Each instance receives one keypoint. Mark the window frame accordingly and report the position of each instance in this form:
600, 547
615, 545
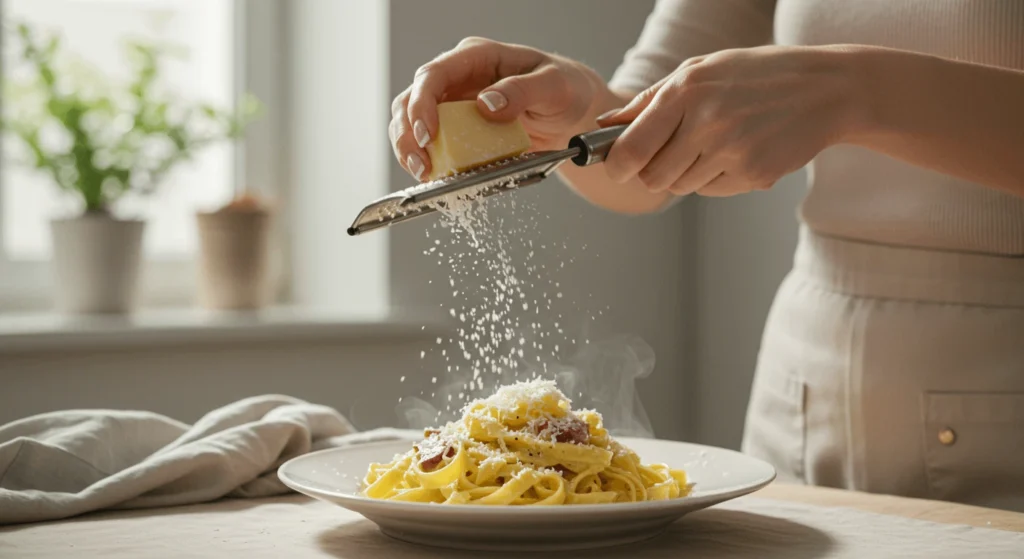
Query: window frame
168, 281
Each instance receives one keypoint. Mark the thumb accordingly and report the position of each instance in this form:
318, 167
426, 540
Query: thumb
632, 110
543, 92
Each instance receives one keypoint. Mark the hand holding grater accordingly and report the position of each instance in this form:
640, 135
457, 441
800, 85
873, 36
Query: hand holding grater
505, 176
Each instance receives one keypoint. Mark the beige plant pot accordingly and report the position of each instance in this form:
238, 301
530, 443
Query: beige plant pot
234, 256
96, 260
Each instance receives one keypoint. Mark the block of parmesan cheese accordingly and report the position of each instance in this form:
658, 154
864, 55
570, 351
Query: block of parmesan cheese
466, 140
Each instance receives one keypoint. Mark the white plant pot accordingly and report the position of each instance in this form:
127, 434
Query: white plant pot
96, 259
234, 259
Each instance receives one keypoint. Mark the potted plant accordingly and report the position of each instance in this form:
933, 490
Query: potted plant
98, 140
234, 255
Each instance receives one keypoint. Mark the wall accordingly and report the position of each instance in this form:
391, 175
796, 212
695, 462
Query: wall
185, 381
695, 283
338, 153
639, 267
744, 249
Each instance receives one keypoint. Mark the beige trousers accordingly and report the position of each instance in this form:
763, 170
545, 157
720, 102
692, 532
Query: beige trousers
895, 370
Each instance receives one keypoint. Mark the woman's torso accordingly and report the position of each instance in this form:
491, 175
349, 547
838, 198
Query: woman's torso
863, 195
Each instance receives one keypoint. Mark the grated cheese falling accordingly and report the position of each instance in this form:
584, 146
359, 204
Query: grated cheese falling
504, 299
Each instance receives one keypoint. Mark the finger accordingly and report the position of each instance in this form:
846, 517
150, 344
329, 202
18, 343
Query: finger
543, 92
641, 100
704, 170
474, 63
672, 160
728, 185
410, 155
401, 102
632, 109
644, 137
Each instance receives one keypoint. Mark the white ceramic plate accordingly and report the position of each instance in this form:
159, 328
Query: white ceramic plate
334, 476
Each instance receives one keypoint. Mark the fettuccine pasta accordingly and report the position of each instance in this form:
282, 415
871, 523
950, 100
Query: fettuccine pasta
522, 446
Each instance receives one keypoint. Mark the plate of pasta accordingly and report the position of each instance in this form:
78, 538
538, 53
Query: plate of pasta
521, 470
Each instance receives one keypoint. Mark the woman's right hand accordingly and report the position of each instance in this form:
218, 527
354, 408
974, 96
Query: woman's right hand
554, 97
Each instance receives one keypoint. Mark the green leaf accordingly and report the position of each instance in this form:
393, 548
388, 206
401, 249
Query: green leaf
52, 46
92, 112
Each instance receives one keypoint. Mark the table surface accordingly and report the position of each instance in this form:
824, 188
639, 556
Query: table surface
921, 509
296, 526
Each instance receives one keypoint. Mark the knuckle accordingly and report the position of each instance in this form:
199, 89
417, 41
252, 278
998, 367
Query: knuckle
692, 61
650, 94
753, 168
473, 41
549, 72
671, 95
398, 130
681, 187
555, 82
398, 153
426, 69
697, 74
662, 95
391, 131
690, 92
514, 87
399, 101
735, 148
651, 178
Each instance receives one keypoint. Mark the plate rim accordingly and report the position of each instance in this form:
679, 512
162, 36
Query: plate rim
344, 499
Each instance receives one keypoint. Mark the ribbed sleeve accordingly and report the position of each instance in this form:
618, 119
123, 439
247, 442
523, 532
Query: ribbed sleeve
681, 29
856, 193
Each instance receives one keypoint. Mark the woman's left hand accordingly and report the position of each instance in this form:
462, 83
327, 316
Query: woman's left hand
734, 121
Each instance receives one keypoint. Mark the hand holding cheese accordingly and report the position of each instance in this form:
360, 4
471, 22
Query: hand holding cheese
465, 139
552, 97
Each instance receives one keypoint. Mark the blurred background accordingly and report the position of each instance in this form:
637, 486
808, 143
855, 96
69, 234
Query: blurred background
259, 201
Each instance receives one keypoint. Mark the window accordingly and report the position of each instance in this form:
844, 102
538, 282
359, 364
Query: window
95, 30
320, 150
212, 34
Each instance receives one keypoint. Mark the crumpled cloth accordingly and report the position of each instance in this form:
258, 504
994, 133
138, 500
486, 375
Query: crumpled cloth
62, 464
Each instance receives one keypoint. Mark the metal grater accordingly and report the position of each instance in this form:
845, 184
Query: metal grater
496, 178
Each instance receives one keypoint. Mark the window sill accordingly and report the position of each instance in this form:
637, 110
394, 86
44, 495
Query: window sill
26, 333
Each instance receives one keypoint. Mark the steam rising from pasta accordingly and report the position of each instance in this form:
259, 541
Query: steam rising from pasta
517, 321
602, 375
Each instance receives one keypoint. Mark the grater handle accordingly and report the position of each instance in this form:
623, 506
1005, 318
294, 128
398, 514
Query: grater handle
593, 146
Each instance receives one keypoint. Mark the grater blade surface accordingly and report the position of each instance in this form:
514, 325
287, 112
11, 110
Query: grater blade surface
423, 199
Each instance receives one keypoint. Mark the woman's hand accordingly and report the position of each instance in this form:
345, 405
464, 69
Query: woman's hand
553, 96
734, 121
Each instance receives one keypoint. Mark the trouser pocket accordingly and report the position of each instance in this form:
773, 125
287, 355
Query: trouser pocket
974, 447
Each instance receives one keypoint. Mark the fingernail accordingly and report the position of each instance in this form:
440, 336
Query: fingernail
419, 131
494, 100
609, 114
415, 164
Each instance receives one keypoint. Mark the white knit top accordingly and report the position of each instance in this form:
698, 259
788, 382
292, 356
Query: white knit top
857, 193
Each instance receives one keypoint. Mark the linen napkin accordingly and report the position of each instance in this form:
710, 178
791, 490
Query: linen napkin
67, 463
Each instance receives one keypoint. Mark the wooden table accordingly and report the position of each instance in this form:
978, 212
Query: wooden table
299, 527
921, 509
